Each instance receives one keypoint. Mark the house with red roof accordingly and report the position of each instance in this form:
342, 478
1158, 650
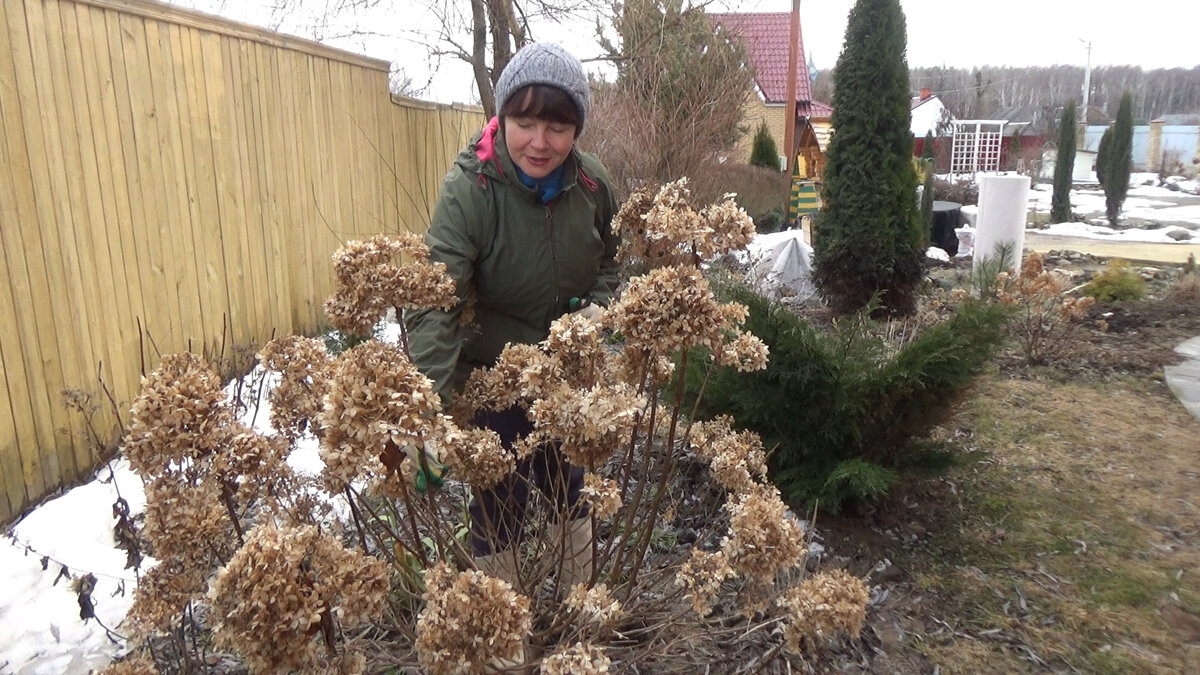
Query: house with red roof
766, 37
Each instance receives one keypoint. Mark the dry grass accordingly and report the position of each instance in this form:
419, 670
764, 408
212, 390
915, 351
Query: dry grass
1069, 542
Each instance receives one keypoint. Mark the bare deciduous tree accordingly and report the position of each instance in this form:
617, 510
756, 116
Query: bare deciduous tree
677, 101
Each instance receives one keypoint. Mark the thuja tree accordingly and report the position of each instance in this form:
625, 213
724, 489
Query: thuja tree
1064, 166
764, 153
1103, 152
1118, 160
355, 569
868, 237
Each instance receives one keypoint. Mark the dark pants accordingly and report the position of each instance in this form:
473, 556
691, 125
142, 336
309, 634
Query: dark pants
498, 513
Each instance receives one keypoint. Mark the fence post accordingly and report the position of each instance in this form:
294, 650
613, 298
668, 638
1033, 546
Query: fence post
1154, 147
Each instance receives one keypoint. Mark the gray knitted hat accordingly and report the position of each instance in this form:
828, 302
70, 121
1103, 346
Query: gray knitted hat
545, 63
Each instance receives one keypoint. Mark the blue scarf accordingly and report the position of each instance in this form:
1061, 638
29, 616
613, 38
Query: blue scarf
547, 188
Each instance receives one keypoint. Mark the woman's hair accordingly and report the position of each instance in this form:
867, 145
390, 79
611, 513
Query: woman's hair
543, 102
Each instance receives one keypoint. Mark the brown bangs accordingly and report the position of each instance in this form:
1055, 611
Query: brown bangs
543, 102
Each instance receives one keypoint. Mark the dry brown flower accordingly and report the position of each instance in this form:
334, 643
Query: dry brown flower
590, 423
476, 456
736, 459
284, 592
763, 539
603, 495
188, 521
470, 620
377, 399
746, 352
371, 280
303, 366
730, 226
821, 606
596, 606
673, 308
574, 344
162, 593
661, 227
577, 659
181, 415
501, 386
701, 577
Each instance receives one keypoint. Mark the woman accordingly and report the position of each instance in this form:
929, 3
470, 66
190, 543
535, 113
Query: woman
523, 224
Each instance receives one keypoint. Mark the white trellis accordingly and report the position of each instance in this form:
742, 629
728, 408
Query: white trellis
976, 146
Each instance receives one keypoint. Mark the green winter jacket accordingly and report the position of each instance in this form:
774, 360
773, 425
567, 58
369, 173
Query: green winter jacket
517, 261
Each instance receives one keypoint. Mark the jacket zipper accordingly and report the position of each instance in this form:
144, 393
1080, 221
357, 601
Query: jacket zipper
553, 258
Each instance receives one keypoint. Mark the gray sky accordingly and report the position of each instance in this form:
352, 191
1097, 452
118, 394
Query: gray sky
954, 33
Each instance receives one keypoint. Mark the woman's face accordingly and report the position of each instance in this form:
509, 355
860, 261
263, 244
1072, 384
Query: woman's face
537, 146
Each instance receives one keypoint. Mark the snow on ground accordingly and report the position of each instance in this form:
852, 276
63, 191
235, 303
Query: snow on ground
1154, 211
40, 629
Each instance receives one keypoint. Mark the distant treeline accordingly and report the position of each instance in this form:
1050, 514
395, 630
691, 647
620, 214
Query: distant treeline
986, 92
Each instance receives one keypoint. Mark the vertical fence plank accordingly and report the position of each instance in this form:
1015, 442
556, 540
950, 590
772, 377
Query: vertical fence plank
276, 112
188, 173
101, 305
35, 217
18, 435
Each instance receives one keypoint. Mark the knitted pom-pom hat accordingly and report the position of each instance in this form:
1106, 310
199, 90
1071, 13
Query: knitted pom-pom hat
545, 63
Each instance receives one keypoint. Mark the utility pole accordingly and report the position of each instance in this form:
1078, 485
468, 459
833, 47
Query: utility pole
789, 127
1087, 79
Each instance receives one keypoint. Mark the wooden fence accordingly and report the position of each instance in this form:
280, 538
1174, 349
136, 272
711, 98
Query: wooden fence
168, 181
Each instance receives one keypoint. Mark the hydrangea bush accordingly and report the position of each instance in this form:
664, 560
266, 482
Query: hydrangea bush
259, 556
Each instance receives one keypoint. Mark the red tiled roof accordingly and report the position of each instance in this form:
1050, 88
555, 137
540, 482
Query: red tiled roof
766, 36
813, 109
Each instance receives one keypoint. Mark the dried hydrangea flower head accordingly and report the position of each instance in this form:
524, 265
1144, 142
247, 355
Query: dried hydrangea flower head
596, 606
602, 495
253, 465
181, 415
736, 459
577, 659
377, 402
187, 521
285, 595
504, 384
372, 279
470, 621
162, 593
764, 540
661, 227
701, 577
822, 606
475, 456
303, 366
576, 351
590, 423
673, 308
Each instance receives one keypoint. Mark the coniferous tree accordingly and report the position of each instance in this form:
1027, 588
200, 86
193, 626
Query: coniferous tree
1118, 161
928, 151
764, 153
1102, 154
1064, 166
868, 239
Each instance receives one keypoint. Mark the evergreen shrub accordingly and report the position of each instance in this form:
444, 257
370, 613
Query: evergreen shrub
1118, 160
1117, 283
764, 152
868, 241
1064, 166
845, 414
